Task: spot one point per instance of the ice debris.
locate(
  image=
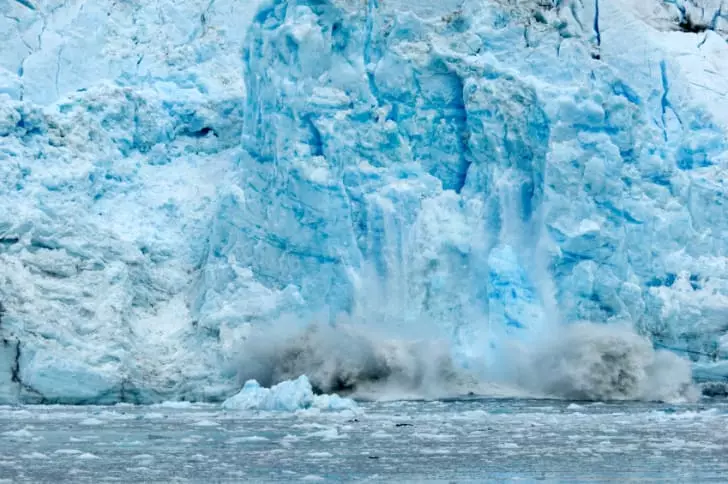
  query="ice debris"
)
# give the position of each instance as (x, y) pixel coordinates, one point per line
(287, 396)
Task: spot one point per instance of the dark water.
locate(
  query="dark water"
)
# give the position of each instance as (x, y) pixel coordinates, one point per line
(456, 441)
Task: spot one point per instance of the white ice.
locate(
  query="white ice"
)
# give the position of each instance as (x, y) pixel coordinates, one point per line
(288, 395)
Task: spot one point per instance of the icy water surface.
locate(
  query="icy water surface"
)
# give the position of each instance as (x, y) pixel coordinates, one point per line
(459, 441)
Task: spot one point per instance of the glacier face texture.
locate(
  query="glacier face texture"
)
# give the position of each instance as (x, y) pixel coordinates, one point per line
(118, 121)
(176, 173)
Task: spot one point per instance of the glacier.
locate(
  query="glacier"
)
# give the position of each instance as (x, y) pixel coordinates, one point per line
(177, 175)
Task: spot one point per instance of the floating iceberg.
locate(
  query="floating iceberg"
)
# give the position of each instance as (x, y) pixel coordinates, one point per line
(287, 396)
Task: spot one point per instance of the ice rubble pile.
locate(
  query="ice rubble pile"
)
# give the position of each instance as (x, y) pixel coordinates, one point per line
(484, 168)
(288, 395)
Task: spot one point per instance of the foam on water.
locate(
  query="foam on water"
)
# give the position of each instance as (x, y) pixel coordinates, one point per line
(587, 361)
(583, 361)
(348, 359)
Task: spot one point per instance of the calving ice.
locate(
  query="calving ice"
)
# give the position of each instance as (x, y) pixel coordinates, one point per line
(468, 177)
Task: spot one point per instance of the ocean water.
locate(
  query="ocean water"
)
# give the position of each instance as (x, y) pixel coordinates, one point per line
(449, 441)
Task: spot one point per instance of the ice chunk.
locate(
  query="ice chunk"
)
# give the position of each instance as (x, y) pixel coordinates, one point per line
(286, 396)
(23, 433)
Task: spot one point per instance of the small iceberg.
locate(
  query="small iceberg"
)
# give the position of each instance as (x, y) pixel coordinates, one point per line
(287, 396)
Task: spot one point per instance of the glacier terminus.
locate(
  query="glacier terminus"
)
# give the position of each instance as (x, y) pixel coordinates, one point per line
(487, 196)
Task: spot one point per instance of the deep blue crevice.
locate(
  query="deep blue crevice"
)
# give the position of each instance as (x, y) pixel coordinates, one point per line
(607, 309)
(6, 240)
(513, 323)
(667, 281)
(687, 159)
(665, 89)
(664, 101)
(372, 6)
(670, 279)
(695, 282)
(15, 369)
(15, 373)
(621, 89)
(198, 133)
(714, 21)
(461, 120)
(315, 141)
(596, 23)
(528, 195)
(619, 213)
(26, 3)
(339, 37)
(273, 16)
(680, 8)
(31, 129)
(394, 113)
(660, 179)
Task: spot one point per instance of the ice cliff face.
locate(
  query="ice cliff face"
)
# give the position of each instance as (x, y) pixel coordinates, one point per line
(490, 167)
(118, 121)
(482, 170)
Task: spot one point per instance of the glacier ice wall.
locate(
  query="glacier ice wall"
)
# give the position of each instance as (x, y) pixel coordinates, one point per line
(118, 120)
(475, 170)
(492, 168)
